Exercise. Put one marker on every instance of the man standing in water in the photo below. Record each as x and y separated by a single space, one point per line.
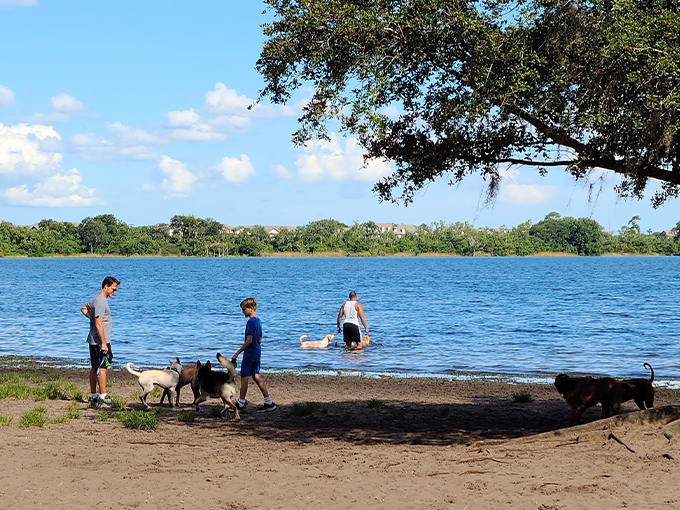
98 311
353 311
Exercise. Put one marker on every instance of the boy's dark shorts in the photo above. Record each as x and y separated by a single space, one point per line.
96 355
249 368
351 333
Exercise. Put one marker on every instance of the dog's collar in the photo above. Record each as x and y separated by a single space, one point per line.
174 369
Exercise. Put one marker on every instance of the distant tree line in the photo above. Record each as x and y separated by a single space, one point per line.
198 237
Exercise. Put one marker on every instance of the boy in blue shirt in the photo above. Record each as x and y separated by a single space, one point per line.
252 349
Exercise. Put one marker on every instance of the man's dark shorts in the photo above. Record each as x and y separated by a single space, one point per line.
96 355
351 333
249 368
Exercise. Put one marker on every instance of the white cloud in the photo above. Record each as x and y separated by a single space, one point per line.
322 160
226 100
47 118
231 123
28 149
281 172
127 136
124 142
6 96
197 133
178 181
66 104
30 152
516 193
234 169
184 118
55 191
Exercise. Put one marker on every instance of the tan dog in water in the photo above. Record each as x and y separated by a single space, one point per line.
366 340
321 343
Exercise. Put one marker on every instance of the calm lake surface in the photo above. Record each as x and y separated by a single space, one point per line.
534 316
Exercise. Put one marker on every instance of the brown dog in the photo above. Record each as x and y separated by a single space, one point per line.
188 376
641 390
584 392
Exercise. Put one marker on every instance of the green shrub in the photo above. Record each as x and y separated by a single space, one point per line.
139 420
73 411
186 415
15 390
375 403
117 403
215 412
52 391
306 408
522 397
37 417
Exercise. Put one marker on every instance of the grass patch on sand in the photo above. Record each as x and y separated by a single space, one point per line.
522 397
139 420
309 408
375 403
186 415
35 418
17 387
117 403
305 408
20 391
6 420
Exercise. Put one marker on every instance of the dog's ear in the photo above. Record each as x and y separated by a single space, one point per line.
171 362
177 360
198 363
207 363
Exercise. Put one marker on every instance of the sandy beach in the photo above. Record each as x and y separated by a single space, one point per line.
366 443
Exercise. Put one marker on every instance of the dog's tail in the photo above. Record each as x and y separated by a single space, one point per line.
303 336
228 365
647 365
133 372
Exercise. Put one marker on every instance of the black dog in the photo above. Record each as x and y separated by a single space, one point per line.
641 390
217 385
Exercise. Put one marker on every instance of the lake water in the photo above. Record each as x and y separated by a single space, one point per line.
445 316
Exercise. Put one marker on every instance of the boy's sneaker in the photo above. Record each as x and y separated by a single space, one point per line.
104 400
240 406
269 407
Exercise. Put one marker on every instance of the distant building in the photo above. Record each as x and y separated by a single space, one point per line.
399 230
272 230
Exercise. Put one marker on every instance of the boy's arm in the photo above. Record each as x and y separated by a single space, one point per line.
342 309
85 310
249 340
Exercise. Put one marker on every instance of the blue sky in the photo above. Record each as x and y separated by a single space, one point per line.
139 109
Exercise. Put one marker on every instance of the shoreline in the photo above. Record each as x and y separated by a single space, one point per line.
312 255
14 362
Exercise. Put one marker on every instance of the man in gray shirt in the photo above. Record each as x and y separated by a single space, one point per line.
99 338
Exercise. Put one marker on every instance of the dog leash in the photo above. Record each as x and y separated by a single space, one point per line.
104 363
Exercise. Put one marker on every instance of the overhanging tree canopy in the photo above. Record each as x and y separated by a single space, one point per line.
481 86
